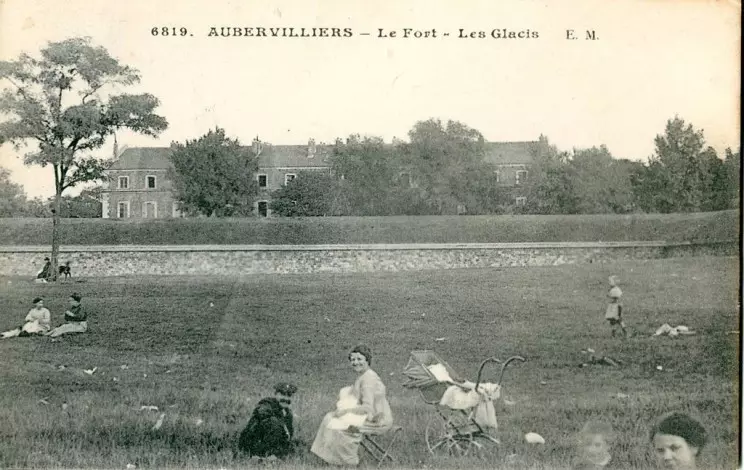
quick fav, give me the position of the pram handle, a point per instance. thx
(503, 368)
(480, 370)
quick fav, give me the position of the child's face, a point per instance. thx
(73, 302)
(39, 305)
(595, 447)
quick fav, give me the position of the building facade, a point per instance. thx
(138, 185)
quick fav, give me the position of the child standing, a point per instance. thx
(594, 442)
(614, 311)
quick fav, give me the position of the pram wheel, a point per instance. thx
(455, 433)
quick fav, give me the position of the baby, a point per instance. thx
(594, 447)
(347, 401)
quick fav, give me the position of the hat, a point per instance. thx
(613, 281)
(285, 389)
(616, 293)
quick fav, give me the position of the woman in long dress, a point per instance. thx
(341, 446)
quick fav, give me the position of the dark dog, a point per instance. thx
(65, 270)
(270, 430)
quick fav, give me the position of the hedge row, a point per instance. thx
(713, 226)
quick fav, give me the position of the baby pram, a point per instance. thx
(465, 416)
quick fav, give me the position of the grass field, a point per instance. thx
(710, 226)
(156, 341)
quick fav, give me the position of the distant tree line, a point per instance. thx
(441, 169)
(15, 203)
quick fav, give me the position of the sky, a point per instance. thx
(649, 61)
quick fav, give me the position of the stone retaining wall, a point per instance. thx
(295, 259)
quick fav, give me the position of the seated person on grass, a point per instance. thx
(75, 319)
(45, 272)
(37, 322)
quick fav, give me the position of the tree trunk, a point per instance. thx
(55, 237)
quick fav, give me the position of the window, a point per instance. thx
(521, 176)
(289, 177)
(123, 209)
(263, 208)
(262, 181)
(521, 201)
(149, 210)
(150, 182)
(123, 182)
(177, 210)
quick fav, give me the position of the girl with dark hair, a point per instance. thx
(678, 439)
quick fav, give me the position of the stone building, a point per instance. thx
(138, 185)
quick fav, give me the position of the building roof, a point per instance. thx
(143, 158)
(296, 156)
(293, 156)
(504, 153)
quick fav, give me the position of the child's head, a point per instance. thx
(283, 392)
(615, 294)
(75, 299)
(38, 302)
(594, 440)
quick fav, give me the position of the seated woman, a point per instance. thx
(75, 319)
(44, 274)
(341, 446)
(37, 322)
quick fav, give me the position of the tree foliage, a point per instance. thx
(310, 194)
(367, 170)
(448, 163)
(61, 103)
(13, 201)
(683, 175)
(214, 175)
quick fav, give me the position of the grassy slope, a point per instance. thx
(446, 229)
(214, 363)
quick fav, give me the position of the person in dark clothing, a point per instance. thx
(45, 274)
(270, 430)
(75, 319)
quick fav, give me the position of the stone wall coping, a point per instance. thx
(353, 247)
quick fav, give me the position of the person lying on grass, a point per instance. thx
(75, 319)
(270, 431)
(37, 322)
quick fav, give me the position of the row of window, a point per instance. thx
(150, 182)
(521, 176)
(263, 180)
(149, 210)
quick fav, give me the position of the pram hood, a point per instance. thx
(425, 369)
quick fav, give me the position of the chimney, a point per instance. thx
(311, 149)
(257, 146)
(116, 147)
